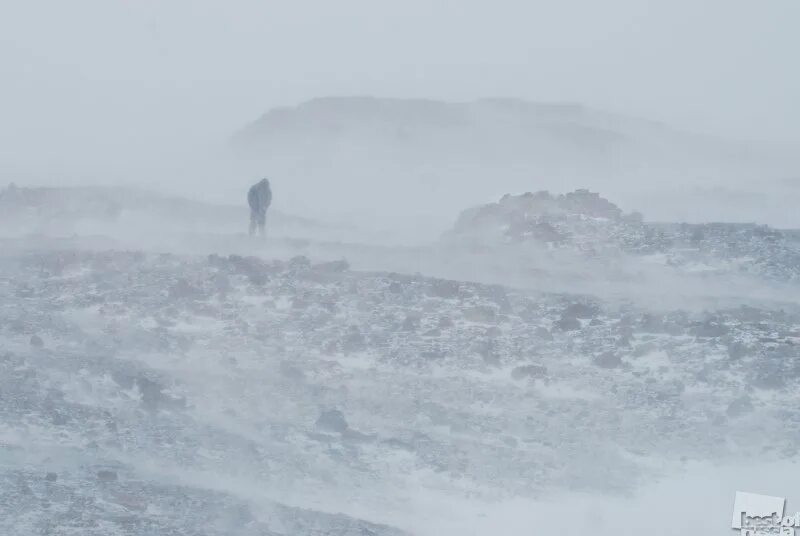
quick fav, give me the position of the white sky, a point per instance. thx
(112, 76)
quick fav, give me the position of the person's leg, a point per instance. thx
(262, 222)
(253, 221)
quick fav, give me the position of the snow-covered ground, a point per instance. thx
(184, 387)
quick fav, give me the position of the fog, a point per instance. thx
(526, 267)
(147, 93)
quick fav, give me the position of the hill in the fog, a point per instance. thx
(428, 159)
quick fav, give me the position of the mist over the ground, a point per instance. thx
(528, 268)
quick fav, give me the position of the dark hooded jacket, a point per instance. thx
(259, 197)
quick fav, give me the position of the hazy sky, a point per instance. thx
(113, 76)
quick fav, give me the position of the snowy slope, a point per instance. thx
(147, 393)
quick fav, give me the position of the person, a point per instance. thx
(259, 198)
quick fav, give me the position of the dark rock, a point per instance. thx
(568, 323)
(737, 350)
(626, 332)
(395, 287)
(709, 329)
(644, 349)
(651, 323)
(739, 407)
(332, 420)
(222, 283)
(747, 313)
(776, 366)
(217, 261)
(769, 375)
(529, 371)
(581, 310)
(24, 292)
(298, 263)
(37, 342)
(398, 444)
(51, 477)
(153, 397)
(353, 341)
(412, 322)
(107, 476)
(256, 271)
(183, 290)
(487, 349)
(445, 322)
(290, 371)
(608, 360)
(443, 288)
(544, 333)
(499, 296)
(59, 419)
(151, 392)
(481, 313)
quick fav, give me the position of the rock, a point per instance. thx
(608, 360)
(183, 290)
(299, 262)
(709, 329)
(529, 371)
(739, 407)
(153, 397)
(445, 322)
(581, 310)
(568, 323)
(644, 349)
(107, 476)
(443, 288)
(151, 391)
(332, 420)
(626, 333)
(216, 261)
(411, 323)
(290, 371)
(651, 323)
(51, 477)
(353, 341)
(395, 287)
(222, 283)
(300, 302)
(775, 367)
(37, 342)
(737, 350)
(59, 419)
(253, 268)
(482, 313)
(487, 349)
(498, 295)
(544, 333)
